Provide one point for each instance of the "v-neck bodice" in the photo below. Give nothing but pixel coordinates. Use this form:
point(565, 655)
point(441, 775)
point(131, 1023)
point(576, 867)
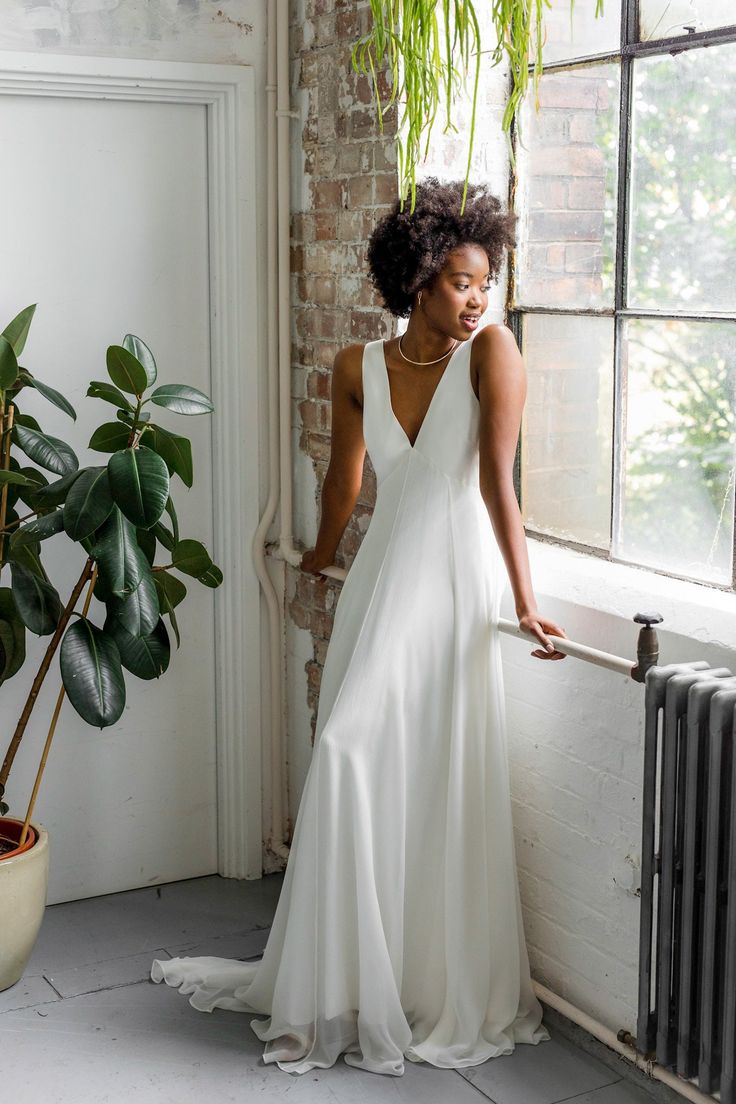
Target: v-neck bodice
point(438, 385)
point(448, 435)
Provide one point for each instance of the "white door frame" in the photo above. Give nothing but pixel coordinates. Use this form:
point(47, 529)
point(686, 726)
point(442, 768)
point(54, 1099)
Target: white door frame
point(228, 93)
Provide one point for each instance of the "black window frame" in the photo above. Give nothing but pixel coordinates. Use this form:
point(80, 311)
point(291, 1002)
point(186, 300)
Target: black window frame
point(630, 49)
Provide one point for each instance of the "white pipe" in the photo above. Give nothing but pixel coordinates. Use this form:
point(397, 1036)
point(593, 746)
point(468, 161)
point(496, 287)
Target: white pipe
point(275, 842)
point(280, 476)
point(619, 1043)
point(283, 186)
point(570, 647)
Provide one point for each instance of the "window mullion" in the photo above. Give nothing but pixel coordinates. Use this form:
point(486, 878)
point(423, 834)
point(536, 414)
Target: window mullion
point(629, 27)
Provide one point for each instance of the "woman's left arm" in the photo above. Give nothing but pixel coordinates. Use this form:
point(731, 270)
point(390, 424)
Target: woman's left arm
point(502, 392)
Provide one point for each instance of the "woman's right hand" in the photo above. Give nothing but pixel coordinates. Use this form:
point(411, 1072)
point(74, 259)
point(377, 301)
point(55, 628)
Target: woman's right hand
point(312, 561)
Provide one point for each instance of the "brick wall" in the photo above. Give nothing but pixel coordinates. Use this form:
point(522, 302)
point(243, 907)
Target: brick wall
point(350, 171)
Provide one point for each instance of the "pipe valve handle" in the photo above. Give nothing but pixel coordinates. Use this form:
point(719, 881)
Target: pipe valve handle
point(648, 619)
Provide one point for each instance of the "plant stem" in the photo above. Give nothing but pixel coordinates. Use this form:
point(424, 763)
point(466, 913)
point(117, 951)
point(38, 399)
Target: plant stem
point(7, 421)
point(18, 521)
point(52, 726)
point(42, 671)
point(135, 429)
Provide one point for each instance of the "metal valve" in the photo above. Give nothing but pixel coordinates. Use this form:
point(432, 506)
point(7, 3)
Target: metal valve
point(647, 645)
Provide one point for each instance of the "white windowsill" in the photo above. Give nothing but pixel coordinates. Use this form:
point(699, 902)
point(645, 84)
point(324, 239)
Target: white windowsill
point(692, 610)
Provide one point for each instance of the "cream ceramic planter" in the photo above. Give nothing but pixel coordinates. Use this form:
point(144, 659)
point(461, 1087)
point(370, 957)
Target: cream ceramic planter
point(23, 884)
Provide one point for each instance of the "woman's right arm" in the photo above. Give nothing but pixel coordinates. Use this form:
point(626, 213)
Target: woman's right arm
point(344, 475)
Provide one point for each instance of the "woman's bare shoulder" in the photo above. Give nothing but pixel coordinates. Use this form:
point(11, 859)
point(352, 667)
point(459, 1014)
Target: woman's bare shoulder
point(488, 344)
point(347, 370)
point(495, 335)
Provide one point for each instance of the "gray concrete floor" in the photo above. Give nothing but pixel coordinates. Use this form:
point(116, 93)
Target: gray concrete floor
point(86, 1023)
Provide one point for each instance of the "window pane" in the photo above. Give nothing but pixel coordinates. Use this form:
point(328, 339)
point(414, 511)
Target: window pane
point(682, 246)
point(566, 432)
point(679, 448)
point(566, 193)
point(580, 36)
point(664, 18)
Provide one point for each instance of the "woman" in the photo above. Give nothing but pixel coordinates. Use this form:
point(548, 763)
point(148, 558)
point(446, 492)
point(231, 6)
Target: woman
point(398, 933)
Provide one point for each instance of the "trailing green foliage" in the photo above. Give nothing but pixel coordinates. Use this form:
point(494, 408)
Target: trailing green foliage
point(425, 49)
point(121, 513)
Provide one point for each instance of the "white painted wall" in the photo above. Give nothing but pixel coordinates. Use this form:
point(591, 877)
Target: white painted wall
point(576, 746)
point(226, 31)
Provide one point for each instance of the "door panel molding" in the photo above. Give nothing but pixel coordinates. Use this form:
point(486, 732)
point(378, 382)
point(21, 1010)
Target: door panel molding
point(228, 94)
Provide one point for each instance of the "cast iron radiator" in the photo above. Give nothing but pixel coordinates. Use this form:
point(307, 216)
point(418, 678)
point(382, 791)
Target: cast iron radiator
point(687, 939)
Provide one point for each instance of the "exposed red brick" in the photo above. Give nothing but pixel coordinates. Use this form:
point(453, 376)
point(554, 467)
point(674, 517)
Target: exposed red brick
point(318, 446)
point(362, 122)
point(324, 354)
point(360, 191)
point(315, 415)
point(318, 385)
point(327, 193)
point(349, 225)
point(362, 325)
point(325, 225)
point(347, 25)
point(387, 187)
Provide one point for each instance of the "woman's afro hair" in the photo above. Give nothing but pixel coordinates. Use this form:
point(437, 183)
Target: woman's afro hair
point(407, 251)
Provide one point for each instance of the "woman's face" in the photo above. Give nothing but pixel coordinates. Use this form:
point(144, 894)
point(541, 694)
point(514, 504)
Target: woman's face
point(459, 290)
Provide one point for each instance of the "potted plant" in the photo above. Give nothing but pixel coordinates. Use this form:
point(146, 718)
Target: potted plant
point(122, 515)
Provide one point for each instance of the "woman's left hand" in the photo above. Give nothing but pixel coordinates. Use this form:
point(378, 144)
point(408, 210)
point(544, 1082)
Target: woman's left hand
point(539, 626)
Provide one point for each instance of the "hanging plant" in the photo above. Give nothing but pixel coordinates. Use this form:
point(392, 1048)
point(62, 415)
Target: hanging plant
point(427, 47)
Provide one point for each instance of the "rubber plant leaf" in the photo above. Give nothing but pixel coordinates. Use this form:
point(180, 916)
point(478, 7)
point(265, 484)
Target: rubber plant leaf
point(182, 399)
point(126, 371)
point(138, 612)
point(8, 364)
point(146, 657)
point(121, 562)
point(16, 331)
point(88, 504)
point(46, 451)
point(109, 437)
point(139, 481)
point(92, 673)
point(55, 397)
point(143, 355)
point(108, 392)
point(36, 599)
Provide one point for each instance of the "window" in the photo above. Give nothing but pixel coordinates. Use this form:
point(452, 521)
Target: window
point(622, 289)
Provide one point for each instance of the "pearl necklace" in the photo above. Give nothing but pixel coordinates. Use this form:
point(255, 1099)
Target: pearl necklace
point(423, 363)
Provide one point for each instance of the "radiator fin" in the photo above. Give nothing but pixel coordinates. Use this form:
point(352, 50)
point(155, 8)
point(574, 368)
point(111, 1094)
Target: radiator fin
point(687, 937)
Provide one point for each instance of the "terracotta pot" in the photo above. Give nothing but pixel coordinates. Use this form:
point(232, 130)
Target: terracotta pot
point(24, 876)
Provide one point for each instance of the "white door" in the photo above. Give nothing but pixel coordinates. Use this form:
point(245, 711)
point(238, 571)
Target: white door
point(104, 212)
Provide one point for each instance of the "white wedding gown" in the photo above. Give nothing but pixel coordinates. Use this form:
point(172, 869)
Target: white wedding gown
point(398, 932)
